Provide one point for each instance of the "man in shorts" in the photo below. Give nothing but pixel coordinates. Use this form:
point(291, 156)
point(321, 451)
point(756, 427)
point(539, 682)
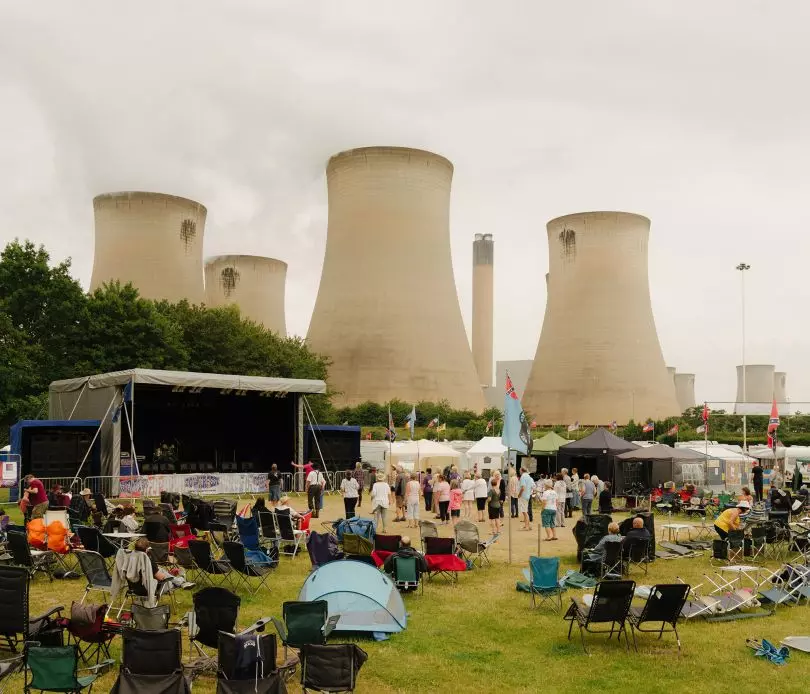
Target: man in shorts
point(525, 489)
point(399, 492)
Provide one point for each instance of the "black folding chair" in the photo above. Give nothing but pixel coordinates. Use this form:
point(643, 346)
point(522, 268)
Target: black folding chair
point(610, 605)
point(252, 671)
point(215, 609)
point(635, 552)
point(32, 560)
point(151, 618)
point(95, 571)
point(242, 570)
point(207, 566)
point(612, 561)
point(15, 624)
point(663, 606)
point(331, 668)
point(93, 540)
point(267, 525)
point(152, 663)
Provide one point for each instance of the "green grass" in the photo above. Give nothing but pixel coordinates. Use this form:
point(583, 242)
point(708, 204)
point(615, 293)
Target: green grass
point(483, 636)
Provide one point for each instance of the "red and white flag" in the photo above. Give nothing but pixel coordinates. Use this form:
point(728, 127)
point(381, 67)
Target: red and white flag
point(704, 428)
point(673, 431)
point(648, 427)
point(433, 422)
point(490, 424)
point(534, 424)
point(613, 426)
point(773, 425)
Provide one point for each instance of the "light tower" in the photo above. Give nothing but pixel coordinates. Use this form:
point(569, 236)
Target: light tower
point(387, 312)
point(482, 319)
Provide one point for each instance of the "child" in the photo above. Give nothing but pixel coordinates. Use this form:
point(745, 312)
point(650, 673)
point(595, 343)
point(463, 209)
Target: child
point(494, 505)
point(412, 501)
point(456, 497)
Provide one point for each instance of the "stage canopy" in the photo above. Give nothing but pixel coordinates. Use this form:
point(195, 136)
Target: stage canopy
point(593, 454)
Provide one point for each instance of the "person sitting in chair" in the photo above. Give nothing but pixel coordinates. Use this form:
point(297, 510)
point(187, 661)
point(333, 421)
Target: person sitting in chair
point(155, 516)
point(405, 550)
point(160, 574)
point(638, 531)
point(597, 554)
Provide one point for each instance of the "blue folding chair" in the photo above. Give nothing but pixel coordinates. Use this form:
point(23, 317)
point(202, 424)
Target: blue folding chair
point(543, 576)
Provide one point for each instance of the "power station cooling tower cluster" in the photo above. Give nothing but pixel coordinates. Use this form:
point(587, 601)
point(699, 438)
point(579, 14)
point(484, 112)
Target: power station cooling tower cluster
point(154, 241)
point(253, 283)
point(483, 298)
point(757, 386)
point(387, 311)
point(598, 358)
point(685, 391)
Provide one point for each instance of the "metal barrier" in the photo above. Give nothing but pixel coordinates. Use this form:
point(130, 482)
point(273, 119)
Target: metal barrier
point(201, 484)
point(298, 482)
point(286, 482)
point(109, 487)
point(67, 483)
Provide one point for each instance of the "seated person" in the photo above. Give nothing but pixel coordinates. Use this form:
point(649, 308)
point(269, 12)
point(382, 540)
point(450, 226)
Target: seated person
point(154, 515)
point(57, 499)
point(128, 521)
point(160, 574)
point(606, 501)
point(597, 554)
point(745, 495)
point(638, 531)
point(405, 550)
point(258, 507)
point(284, 505)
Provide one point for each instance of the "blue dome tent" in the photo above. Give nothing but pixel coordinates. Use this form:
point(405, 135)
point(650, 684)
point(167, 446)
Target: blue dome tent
point(364, 597)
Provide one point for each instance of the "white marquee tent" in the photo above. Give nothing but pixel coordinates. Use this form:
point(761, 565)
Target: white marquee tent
point(488, 447)
point(421, 454)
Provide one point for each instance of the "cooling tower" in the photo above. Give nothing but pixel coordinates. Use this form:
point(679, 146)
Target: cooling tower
point(251, 282)
point(685, 391)
point(779, 388)
point(671, 371)
point(387, 312)
point(598, 358)
point(154, 241)
point(759, 384)
point(482, 327)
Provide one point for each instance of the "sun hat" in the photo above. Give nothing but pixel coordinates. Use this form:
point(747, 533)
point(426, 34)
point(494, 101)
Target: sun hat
point(85, 492)
point(284, 499)
point(743, 504)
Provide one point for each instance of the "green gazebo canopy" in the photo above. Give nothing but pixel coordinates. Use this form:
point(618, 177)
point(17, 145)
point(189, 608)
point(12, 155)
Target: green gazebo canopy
point(549, 444)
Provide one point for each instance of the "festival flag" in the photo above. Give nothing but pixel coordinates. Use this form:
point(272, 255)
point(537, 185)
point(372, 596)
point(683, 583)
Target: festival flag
point(433, 422)
point(533, 425)
point(648, 427)
point(674, 431)
point(613, 426)
point(392, 434)
point(442, 427)
point(368, 436)
point(516, 434)
point(702, 429)
point(574, 426)
point(773, 426)
point(490, 424)
point(410, 422)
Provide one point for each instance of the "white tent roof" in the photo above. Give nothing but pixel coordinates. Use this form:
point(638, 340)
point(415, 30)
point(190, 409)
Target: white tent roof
point(488, 446)
point(721, 452)
point(423, 453)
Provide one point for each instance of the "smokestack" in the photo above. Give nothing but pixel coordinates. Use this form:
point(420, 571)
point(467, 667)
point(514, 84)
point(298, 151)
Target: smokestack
point(253, 283)
point(685, 391)
point(759, 384)
point(154, 241)
point(598, 358)
point(779, 388)
point(387, 312)
point(482, 326)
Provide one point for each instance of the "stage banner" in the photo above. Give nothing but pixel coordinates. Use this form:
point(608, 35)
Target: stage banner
point(195, 484)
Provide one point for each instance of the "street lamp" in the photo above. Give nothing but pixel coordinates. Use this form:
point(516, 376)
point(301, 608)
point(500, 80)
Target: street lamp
point(742, 267)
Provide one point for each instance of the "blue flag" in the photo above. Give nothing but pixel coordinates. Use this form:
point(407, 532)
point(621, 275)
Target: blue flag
point(128, 392)
point(411, 420)
point(516, 434)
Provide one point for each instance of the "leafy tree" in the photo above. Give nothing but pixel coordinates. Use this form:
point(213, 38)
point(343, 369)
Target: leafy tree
point(475, 429)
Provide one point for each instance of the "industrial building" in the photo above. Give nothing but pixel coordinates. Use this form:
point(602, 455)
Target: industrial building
point(387, 312)
point(598, 358)
point(152, 240)
point(483, 298)
point(253, 283)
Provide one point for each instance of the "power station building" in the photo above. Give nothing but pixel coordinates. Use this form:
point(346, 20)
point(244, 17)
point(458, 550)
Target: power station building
point(780, 386)
point(253, 283)
point(599, 358)
point(757, 386)
point(152, 240)
point(387, 311)
point(483, 298)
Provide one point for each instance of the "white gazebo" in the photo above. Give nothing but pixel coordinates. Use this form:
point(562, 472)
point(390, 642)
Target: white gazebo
point(488, 453)
point(422, 454)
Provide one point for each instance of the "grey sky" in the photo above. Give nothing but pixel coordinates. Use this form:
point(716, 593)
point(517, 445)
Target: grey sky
point(693, 114)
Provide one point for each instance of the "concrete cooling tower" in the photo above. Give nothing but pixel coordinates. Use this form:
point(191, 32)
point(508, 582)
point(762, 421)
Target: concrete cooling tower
point(598, 358)
point(387, 311)
point(154, 241)
point(251, 282)
point(671, 371)
point(482, 323)
point(758, 386)
point(685, 391)
point(779, 386)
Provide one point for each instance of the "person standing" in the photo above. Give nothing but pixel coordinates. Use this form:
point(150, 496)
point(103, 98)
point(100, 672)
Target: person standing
point(575, 499)
point(360, 477)
point(561, 490)
point(569, 491)
point(756, 475)
point(348, 489)
point(456, 498)
point(412, 501)
point(494, 505)
point(514, 492)
point(548, 515)
point(588, 492)
point(480, 491)
point(777, 479)
point(524, 496)
point(36, 490)
point(427, 489)
point(502, 491)
point(315, 483)
point(399, 492)
point(442, 492)
point(381, 500)
point(468, 492)
point(274, 484)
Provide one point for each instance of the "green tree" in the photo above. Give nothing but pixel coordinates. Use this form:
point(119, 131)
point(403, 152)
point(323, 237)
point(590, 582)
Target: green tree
point(475, 429)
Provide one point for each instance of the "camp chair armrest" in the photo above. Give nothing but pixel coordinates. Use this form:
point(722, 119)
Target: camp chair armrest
point(527, 575)
point(53, 611)
point(258, 625)
point(330, 625)
point(102, 666)
point(280, 628)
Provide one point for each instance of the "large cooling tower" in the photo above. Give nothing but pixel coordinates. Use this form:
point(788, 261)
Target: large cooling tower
point(779, 386)
point(154, 241)
point(671, 371)
point(251, 282)
point(598, 358)
point(482, 324)
point(387, 312)
point(685, 391)
point(758, 386)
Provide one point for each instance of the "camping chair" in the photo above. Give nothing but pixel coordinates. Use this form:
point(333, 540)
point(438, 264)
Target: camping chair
point(427, 529)
point(151, 663)
point(224, 512)
point(384, 547)
point(55, 669)
point(736, 546)
point(95, 571)
point(358, 548)
point(92, 539)
point(267, 524)
point(151, 618)
point(86, 626)
point(182, 556)
point(180, 534)
point(219, 534)
point(543, 576)
point(101, 504)
point(215, 609)
point(441, 559)
point(33, 560)
point(138, 591)
point(664, 605)
point(758, 542)
point(10, 667)
point(288, 535)
point(304, 623)
point(172, 499)
point(786, 586)
point(610, 605)
point(612, 561)
point(155, 531)
point(406, 574)
point(470, 545)
point(258, 674)
point(15, 624)
point(635, 552)
point(331, 668)
point(323, 548)
point(244, 569)
point(207, 566)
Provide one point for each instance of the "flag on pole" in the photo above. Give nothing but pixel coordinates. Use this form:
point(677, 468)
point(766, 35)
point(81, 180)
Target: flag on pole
point(705, 416)
point(773, 426)
point(442, 427)
point(702, 429)
point(410, 422)
point(673, 431)
point(392, 434)
point(490, 424)
point(433, 422)
point(574, 426)
point(648, 427)
point(516, 433)
point(613, 426)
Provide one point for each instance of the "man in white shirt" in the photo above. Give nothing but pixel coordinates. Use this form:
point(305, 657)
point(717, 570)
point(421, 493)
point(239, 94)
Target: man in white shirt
point(525, 488)
point(315, 484)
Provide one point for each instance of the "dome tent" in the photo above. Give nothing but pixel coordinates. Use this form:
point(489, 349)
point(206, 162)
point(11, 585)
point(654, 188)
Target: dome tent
point(365, 598)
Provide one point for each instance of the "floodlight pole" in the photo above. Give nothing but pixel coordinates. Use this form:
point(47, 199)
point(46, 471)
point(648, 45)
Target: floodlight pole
point(743, 267)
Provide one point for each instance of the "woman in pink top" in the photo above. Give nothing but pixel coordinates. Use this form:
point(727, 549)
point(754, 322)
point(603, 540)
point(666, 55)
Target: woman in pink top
point(456, 497)
point(442, 492)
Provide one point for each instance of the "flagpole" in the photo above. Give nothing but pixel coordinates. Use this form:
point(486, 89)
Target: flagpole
point(706, 440)
point(390, 437)
point(509, 522)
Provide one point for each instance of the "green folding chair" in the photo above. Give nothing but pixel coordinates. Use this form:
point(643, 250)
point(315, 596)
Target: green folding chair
point(305, 622)
point(406, 574)
point(55, 669)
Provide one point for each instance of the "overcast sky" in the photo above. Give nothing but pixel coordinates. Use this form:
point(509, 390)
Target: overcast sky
point(693, 114)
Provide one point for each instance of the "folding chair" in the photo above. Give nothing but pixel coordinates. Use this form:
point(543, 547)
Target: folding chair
point(243, 570)
point(92, 539)
point(635, 552)
point(786, 586)
point(427, 529)
point(10, 667)
point(151, 663)
point(55, 669)
point(180, 534)
point(304, 623)
point(323, 548)
point(247, 663)
point(384, 547)
point(15, 625)
point(663, 605)
point(182, 555)
point(705, 531)
point(215, 609)
point(95, 571)
point(610, 605)
point(441, 559)
point(267, 523)
point(225, 512)
point(736, 546)
point(218, 533)
point(288, 535)
point(151, 618)
point(358, 548)
point(33, 560)
point(138, 591)
point(543, 576)
point(612, 561)
point(469, 543)
point(758, 542)
point(155, 531)
point(406, 574)
point(332, 668)
point(86, 626)
point(207, 566)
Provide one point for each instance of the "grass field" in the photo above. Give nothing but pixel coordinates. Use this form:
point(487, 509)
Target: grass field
point(483, 636)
